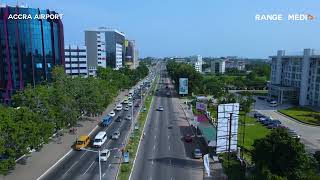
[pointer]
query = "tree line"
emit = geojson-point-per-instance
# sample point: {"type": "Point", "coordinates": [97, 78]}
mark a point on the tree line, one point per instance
{"type": "Point", "coordinates": [39, 112]}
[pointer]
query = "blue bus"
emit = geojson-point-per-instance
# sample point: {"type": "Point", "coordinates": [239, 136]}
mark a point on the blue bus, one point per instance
{"type": "Point", "coordinates": [106, 121]}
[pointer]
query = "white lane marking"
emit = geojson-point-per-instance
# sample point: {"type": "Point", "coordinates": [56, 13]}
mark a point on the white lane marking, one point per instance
{"type": "Point", "coordinates": [169, 148]}
{"type": "Point", "coordinates": [93, 130]}
{"type": "Point", "coordinates": [168, 136]}
{"type": "Point", "coordinates": [171, 179]}
{"type": "Point", "coordinates": [154, 147]}
{"type": "Point", "coordinates": [83, 154]}
{"type": "Point", "coordinates": [152, 161]}
{"type": "Point", "coordinates": [55, 164]}
{"type": "Point", "coordinates": [88, 168]}
{"type": "Point", "coordinates": [109, 165]}
{"type": "Point", "coordinates": [155, 137]}
{"type": "Point", "coordinates": [71, 167]}
{"type": "Point", "coordinates": [103, 174]}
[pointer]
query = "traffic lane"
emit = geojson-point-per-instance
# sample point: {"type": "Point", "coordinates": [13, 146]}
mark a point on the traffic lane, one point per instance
{"type": "Point", "coordinates": [310, 135]}
{"type": "Point", "coordinates": [93, 169]}
{"type": "Point", "coordinates": [143, 168]}
{"type": "Point", "coordinates": [73, 159]}
{"type": "Point", "coordinates": [81, 165]}
{"type": "Point", "coordinates": [77, 158]}
{"type": "Point", "coordinates": [114, 154]}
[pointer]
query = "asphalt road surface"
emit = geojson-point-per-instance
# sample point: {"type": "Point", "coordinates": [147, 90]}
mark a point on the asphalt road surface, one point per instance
{"type": "Point", "coordinates": [163, 153]}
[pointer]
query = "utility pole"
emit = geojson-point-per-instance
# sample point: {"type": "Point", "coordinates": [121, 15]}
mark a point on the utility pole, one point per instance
{"type": "Point", "coordinates": [229, 145]}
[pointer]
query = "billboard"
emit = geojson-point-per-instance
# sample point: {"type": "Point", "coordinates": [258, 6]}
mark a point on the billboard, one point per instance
{"type": "Point", "coordinates": [201, 106]}
{"type": "Point", "coordinates": [227, 128]}
{"type": "Point", "coordinates": [183, 86]}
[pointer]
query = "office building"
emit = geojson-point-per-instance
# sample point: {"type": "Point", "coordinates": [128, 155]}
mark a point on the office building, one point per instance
{"type": "Point", "coordinates": [196, 62]}
{"type": "Point", "coordinates": [218, 67]}
{"type": "Point", "coordinates": [105, 48]}
{"type": "Point", "coordinates": [235, 62]}
{"type": "Point", "coordinates": [76, 60]}
{"type": "Point", "coordinates": [131, 54]}
{"type": "Point", "coordinates": [29, 49]}
{"type": "Point", "coordinates": [296, 78]}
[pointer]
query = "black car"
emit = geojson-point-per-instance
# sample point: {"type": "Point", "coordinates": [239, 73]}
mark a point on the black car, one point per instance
{"type": "Point", "coordinates": [257, 115]}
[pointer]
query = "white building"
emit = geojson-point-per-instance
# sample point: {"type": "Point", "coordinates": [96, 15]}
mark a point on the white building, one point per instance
{"type": "Point", "coordinates": [76, 60]}
{"type": "Point", "coordinates": [296, 78]}
{"type": "Point", "coordinates": [105, 48]}
{"type": "Point", "coordinates": [218, 66]}
{"type": "Point", "coordinates": [196, 62]}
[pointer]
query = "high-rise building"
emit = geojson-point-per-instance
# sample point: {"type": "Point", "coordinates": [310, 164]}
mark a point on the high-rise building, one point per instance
{"type": "Point", "coordinates": [29, 49]}
{"type": "Point", "coordinates": [196, 62]}
{"type": "Point", "coordinates": [76, 60]}
{"type": "Point", "coordinates": [296, 78]}
{"type": "Point", "coordinates": [105, 48]}
{"type": "Point", "coordinates": [218, 66]}
{"type": "Point", "coordinates": [131, 54]}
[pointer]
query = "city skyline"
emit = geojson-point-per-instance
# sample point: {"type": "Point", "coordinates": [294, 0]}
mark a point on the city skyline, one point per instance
{"type": "Point", "coordinates": [216, 29]}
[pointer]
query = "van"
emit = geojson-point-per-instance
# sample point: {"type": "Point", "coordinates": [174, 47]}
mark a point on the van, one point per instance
{"type": "Point", "coordinates": [82, 142]}
{"type": "Point", "coordinates": [100, 139]}
{"type": "Point", "coordinates": [273, 103]}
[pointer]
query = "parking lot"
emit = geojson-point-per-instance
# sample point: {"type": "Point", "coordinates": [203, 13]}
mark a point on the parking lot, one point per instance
{"type": "Point", "coordinates": [310, 135]}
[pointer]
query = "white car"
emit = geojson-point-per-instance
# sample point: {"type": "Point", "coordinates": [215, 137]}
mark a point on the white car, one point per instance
{"type": "Point", "coordinates": [160, 108]}
{"type": "Point", "coordinates": [116, 135]}
{"type": "Point", "coordinates": [130, 103]}
{"type": "Point", "coordinates": [126, 108]}
{"type": "Point", "coordinates": [104, 155]}
{"type": "Point", "coordinates": [118, 107]}
{"type": "Point", "coordinates": [112, 114]}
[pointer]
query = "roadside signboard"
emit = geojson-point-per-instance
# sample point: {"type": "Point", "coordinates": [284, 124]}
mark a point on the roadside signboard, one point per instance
{"type": "Point", "coordinates": [227, 128]}
{"type": "Point", "coordinates": [201, 106]}
{"type": "Point", "coordinates": [183, 86]}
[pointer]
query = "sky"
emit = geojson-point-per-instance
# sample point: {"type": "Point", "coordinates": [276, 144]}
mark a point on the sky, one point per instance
{"type": "Point", "coordinates": [216, 28]}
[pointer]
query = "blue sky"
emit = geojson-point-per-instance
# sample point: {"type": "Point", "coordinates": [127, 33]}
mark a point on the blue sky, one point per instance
{"type": "Point", "coordinates": [189, 27]}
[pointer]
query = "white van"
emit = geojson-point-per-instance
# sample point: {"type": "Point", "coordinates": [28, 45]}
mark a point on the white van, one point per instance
{"type": "Point", "coordinates": [273, 103]}
{"type": "Point", "coordinates": [100, 139]}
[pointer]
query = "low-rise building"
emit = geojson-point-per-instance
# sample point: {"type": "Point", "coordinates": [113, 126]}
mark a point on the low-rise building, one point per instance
{"type": "Point", "coordinates": [76, 60]}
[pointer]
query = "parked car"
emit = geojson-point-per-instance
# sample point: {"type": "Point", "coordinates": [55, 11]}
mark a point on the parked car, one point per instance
{"type": "Point", "coordinates": [293, 134]}
{"type": "Point", "coordinates": [104, 155]}
{"type": "Point", "coordinates": [257, 115]}
{"type": "Point", "coordinates": [197, 153]}
{"type": "Point", "coordinates": [118, 119]}
{"type": "Point", "coordinates": [126, 108]}
{"type": "Point", "coordinates": [130, 103]}
{"type": "Point", "coordinates": [118, 107]}
{"type": "Point", "coordinates": [262, 118]}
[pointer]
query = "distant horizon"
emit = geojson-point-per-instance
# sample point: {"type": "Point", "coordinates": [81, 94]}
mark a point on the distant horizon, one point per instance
{"type": "Point", "coordinates": [186, 28]}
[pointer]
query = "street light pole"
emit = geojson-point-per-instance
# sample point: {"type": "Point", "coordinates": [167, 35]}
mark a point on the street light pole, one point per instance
{"type": "Point", "coordinates": [99, 165]}
{"type": "Point", "coordinates": [99, 159]}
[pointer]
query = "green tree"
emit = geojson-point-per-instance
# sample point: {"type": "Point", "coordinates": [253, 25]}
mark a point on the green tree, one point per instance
{"type": "Point", "coordinates": [283, 156]}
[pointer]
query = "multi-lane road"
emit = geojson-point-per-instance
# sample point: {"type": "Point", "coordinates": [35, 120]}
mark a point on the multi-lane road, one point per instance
{"type": "Point", "coordinates": [163, 153]}
{"type": "Point", "coordinates": [84, 164]}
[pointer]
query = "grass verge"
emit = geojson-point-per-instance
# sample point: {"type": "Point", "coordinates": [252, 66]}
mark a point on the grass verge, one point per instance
{"type": "Point", "coordinates": [133, 142]}
{"type": "Point", "coordinates": [303, 114]}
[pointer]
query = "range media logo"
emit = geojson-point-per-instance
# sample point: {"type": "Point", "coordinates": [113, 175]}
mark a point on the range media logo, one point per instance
{"type": "Point", "coordinates": [281, 17]}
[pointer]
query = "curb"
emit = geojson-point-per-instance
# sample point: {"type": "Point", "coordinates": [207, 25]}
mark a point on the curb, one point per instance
{"type": "Point", "coordinates": [296, 120]}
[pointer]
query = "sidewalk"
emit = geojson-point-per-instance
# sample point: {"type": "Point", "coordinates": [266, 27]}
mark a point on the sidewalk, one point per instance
{"type": "Point", "coordinates": [216, 169]}
{"type": "Point", "coordinates": [38, 163]}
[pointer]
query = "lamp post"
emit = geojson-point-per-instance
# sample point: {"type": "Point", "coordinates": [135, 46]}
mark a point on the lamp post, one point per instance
{"type": "Point", "coordinates": [99, 159]}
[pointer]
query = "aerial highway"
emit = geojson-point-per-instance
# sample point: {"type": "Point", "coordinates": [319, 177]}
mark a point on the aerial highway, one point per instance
{"type": "Point", "coordinates": [163, 153]}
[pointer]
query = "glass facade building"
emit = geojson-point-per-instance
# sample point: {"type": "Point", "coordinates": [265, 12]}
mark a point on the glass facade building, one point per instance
{"type": "Point", "coordinates": [29, 48]}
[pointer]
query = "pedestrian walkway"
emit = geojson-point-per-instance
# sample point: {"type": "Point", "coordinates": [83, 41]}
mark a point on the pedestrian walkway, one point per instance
{"type": "Point", "coordinates": [35, 164]}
